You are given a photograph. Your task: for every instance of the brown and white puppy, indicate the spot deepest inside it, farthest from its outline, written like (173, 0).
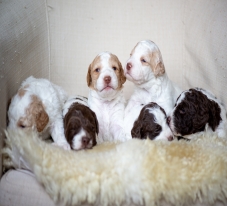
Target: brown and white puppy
(80, 123)
(105, 78)
(152, 124)
(38, 106)
(145, 68)
(198, 111)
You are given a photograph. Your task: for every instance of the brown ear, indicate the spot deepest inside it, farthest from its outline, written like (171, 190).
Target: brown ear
(157, 64)
(41, 120)
(214, 114)
(39, 114)
(135, 132)
(122, 76)
(89, 80)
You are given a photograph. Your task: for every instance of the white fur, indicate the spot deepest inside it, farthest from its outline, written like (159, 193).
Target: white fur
(71, 100)
(148, 87)
(52, 97)
(77, 140)
(108, 103)
(131, 173)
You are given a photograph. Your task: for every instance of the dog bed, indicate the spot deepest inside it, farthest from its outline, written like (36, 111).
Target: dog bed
(132, 173)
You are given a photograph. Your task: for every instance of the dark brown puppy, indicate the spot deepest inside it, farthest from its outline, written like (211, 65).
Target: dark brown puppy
(80, 124)
(152, 124)
(198, 111)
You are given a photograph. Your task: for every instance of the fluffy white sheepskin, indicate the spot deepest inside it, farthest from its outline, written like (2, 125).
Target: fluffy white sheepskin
(135, 172)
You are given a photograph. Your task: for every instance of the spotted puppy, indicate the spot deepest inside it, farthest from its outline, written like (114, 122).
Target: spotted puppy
(198, 111)
(145, 68)
(105, 78)
(152, 124)
(38, 106)
(80, 123)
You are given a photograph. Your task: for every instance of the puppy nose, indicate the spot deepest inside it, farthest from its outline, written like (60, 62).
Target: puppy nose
(170, 138)
(85, 141)
(107, 79)
(128, 66)
(168, 120)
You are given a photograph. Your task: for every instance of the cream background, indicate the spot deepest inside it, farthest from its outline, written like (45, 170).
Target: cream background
(58, 39)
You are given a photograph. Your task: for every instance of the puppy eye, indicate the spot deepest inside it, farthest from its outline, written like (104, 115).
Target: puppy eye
(143, 60)
(114, 68)
(182, 111)
(97, 70)
(22, 126)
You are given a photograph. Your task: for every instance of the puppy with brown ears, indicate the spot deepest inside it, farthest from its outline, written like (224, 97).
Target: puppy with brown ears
(145, 68)
(80, 123)
(105, 78)
(38, 106)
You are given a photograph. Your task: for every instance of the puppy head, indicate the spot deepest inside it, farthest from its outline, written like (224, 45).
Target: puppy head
(81, 127)
(27, 111)
(152, 124)
(105, 74)
(145, 63)
(192, 112)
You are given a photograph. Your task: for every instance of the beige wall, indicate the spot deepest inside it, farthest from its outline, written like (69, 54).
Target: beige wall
(79, 30)
(24, 48)
(57, 39)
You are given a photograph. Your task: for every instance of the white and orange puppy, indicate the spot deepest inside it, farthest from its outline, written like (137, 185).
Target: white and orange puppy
(145, 68)
(105, 78)
(38, 106)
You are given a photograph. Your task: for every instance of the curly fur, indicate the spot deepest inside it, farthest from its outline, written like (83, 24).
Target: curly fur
(196, 111)
(136, 172)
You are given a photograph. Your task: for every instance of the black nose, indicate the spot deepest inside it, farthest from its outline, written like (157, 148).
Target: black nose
(128, 66)
(170, 138)
(107, 79)
(168, 120)
(85, 141)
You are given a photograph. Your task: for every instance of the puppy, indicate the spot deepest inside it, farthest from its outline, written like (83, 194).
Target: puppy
(145, 68)
(152, 124)
(80, 123)
(198, 111)
(105, 78)
(38, 106)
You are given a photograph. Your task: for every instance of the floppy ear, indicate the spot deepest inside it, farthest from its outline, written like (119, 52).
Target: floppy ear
(122, 76)
(39, 114)
(135, 132)
(201, 104)
(41, 119)
(157, 64)
(214, 114)
(89, 80)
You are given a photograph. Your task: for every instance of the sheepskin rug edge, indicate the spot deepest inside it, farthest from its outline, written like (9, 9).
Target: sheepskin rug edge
(135, 172)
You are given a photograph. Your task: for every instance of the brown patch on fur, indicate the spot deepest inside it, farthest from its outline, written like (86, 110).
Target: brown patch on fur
(145, 126)
(92, 74)
(115, 63)
(80, 116)
(22, 91)
(156, 63)
(193, 113)
(35, 115)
